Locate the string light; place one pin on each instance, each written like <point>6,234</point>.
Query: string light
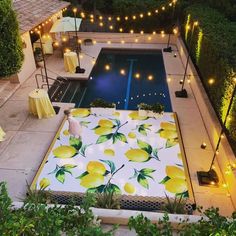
<point>137,75</point>
<point>111,27</point>
<point>141,32</point>
<point>141,15</point>
<point>120,29</point>
<point>118,18</point>
<point>108,42</point>
<point>168,79</point>
<point>94,41</point>
<point>126,18</point>
<point>156,11</point>
<point>149,13</point>
<point>211,81</point>
<point>100,18</point>
<point>107,67</point>
<point>149,38</point>
<point>163,8</point>
<point>150,77</point>
<point>136,40</point>
<point>109,18</point>
<point>154,32</point>
<point>122,41</point>
<point>122,72</point>
<point>134,17</point>
<point>101,24</point>
<point>131,31</point>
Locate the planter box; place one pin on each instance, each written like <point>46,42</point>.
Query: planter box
<point>102,111</point>
<point>149,113</point>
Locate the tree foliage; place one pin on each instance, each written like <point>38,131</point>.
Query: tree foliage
<point>11,56</point>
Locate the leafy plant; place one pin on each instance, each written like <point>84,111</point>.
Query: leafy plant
<point>102,103</point>
<point>108,199</point>
<point>37,197</point>
<point>143,226</point>
<point>176,205</point>
<point>39,219</point>
<point>11,57</point>
<point>156,107</point>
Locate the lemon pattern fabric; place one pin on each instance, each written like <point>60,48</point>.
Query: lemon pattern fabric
<point>124,152</point>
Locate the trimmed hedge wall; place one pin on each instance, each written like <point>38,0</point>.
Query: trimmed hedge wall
<point>11,54</point>
<point>214,53</point>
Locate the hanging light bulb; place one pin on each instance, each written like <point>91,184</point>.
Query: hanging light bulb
<point>126,18</point>
<point>154,32</point>
<point>107,67</point>
<point>118,18</point>
<point>100,18</point>
<point>111,27</point>
<point>134,17</point>
<point>163,8</point>
<point>109,18</point>
<point>141,32</point>
<point>156,11</point>
<point>136,40</point>
<point>122,41</point>
<point>101,24</point>
<point>141,15</point>
<point>149,13</point>
<point>120,29</point>
<point>131,31</point>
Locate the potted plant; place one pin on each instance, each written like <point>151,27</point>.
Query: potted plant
<point>38,55</point>
<point>101,107</point>
<point>155,110</point>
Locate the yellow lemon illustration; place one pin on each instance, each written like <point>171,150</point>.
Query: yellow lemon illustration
<point>117,114</point>
<point>168,134</point>
<point>109,152</point>
<point>64,151</point>
<point>129,188</point>
<point>103,130</point>
<point>105,123</point>
<point>80,112</point>
<point>134,116</point>
<point>66,132</point>
<point>179,156</point>
<point>137,155</point>
<point>132,135</point>
<point>92,180</point>
<point>44,183</point>
<point>96,167</point>
<point>168,126</point>
<point>175,172</point>
<point>176,185</point>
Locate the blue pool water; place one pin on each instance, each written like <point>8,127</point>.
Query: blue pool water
<point>126,90</point>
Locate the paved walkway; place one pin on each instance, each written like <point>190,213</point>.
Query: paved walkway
<point>29,138</point>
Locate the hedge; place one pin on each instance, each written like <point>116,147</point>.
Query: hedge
<point>215,57</point>
<point>11,56</point>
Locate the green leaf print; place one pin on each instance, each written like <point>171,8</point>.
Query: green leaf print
<point>143,181</point>
<point>145,146</point>
<point>104,138</point>
<point>60,176</point>
<point>75,142</point>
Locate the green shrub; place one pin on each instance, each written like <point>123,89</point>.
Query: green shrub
<point>35,218</point>
<point>98,102</point>
<point>11,56</point>
<point>215,57</point>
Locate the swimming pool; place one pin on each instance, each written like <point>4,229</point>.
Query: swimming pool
<point>127,78</point>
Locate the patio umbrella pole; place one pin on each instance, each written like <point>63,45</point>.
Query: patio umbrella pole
<point>168,47</point>
<point>210,177</point>
<point>76,35</point>
<point>183,92</point>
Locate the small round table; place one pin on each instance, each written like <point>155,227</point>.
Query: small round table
<point>70,61</point>
<point>40,104</point>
